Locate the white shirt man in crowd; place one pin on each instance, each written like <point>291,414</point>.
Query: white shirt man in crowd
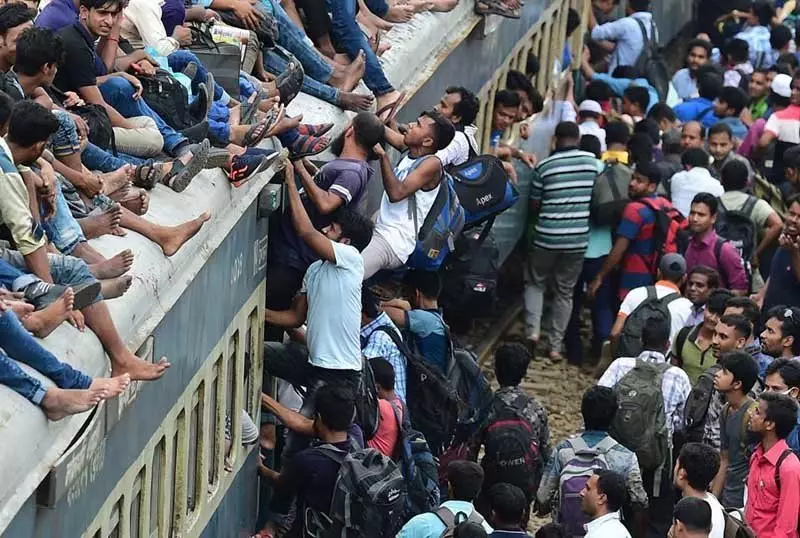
<point>601,499</point>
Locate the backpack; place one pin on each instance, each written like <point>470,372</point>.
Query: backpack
<point>668,224</point>
<point>469,280</point>
<point>452,521</point>
<point>735,526</point>
<point>770,193</point>
<point>738,228</point>
<point>419,468</point>
<point>630,340</point>
<point>467,378</point>
<point>578,469</point>
<point>169,98</point>
<point>483,188</point>
<point>610,194</point>
<point>101,132</point>
<point>443,223</point>
<point>511,451</point>
<point>367,414</point>
<point>432,404</point>
<point>640,424</point>
<point>369,497</point>
<point>695,411</point>
<point>652,62</point>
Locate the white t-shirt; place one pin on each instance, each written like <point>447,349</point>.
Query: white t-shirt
<point>679,309</point>
<point>685,185</point>
<point>717,517</point>
<point>590,127</point>
<point>334,309</point>
<point>457,152</point>
<point>394,223</point>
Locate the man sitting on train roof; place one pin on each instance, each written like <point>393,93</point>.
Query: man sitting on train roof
<point>73,391</point>
<point>29,127</point>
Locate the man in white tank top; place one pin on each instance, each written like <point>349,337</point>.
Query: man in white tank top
<point>417,174</point>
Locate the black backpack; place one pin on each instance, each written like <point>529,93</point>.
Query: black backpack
<point>433,406</point>
<point>101,132</point>
<point>169,98</point>
<point>652,62</point>
<point>696,409</point>
<point>610,194</point>
<point>630,340</point>
<point>367,413</point>
<point>738,228</point>
<point>511,451</point>
<point>470,278</point>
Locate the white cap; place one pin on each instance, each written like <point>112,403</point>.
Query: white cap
<point>590,106</point>
<point>782,85</point>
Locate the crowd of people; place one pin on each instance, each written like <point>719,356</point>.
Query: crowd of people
<point>670,207</point>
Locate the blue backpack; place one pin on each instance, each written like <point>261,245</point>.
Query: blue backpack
<point>445,220</point>
<point>420,469</point>
<point>483,188</point>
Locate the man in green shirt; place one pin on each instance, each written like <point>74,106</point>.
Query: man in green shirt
<point>691,349</point>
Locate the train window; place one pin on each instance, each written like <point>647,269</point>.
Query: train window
<point>136,506</point>
<point>232,389</point>
<point>178,453</point>
<point>217,417</point>
<point>114,521</point>
<point>157,487</point>
<point>193,485</point>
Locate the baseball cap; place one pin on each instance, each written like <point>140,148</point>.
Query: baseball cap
<point>782,85</point>
<point>672,265</point>
<point>590,106</point>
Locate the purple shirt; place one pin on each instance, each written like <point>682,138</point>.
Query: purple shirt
<point>701,251</point>
<point>57,14</point>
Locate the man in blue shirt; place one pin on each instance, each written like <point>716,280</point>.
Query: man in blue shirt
<point>709,86</point>
<point>620,80</point>
<point>783,376</point>
<point>728,106</point>
<point>626,33</point>
<point>685,80</point>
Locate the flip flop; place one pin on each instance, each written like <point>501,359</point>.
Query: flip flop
<point>391,109</point>
<point>146,175</point>
<point>314,130</point>
<point>497,7</point>
<point>249,109</point>
<point>290,81</point>
<point>182,174</point>
<point>306,146</point>
<point>256,134</point>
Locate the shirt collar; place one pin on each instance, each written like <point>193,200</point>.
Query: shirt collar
<point>87,36</point>
<point>708,239</point>
<point>652,356</point>
<point>668,284</point>
<point>600,520</point>
<point>381,321</point>
<point>564,149</point>
<point>773,453</point>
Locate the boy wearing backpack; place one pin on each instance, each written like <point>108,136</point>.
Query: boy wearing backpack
<point>515,434</point>
<point>707,248</point>
<point>651,395</point>
<point>737,376</point>
<point>465,479</point>
<point>695,468</point>
<point>773,484</point>
<point>575,460</point>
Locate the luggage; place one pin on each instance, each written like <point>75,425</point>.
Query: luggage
<point>483,188</point>
<point>669,223</point>
<point>467,379</point>
<point>697,405</point>
<point>224,60</point>
<point>367,414</point>
<point>442,225</point>
<point>738,228</point>
<point>652,63</point>
<point>469,280</point>
<point>630,340</point>
<point>452,521</point>
<point>610,194</point>
<point>169,98</point>
<point>101,131</point>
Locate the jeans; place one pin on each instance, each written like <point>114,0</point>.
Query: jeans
<point>283,283</point>
<point>20,345</point>
<point>65,141</point>
<point>96,158</point>
<point>294,40</point>
<point>65,270</point>
<point>118,93</point>
<point>556,269</point>
<point>275,64</point>
<point>62,229</point>
<point>347,34</point>
<point>218,125</point>
<point>13,279</point>
<point>178,61</point>
<point>603,309</point>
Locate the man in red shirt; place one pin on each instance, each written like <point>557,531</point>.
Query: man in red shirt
<point>773,484</point>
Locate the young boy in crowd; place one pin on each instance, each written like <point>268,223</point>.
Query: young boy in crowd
<point>721,146</point>
<point>728,106</point>
<point>695,468</point>
<point>634,103</point>
<point>391,410</point>
<point>508,506</point>
<point>758,91</point>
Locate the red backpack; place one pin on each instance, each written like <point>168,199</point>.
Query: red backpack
<point>668,226</point>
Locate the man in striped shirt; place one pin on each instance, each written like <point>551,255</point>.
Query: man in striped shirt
<point>561,192</point>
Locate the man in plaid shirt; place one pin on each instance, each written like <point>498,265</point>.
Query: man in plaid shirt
<point>378,343</point>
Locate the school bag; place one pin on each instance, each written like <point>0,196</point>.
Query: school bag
<point>610,194</point>
<point>511,450</point>
<point>468,380</point>
<point>738,228</point>
<point>483,188</point>
<point>582,463</point>
<point>735,526</point>
<point>668,225</point>
<point>469,280</point>
<point>695,411</point>
<point>367,414</point>
<point>369,497</point>
<point>169,98</point>
<point>652,63</point>
<point>630,340</point>
<point>452,521</point>
<point>640,424</point>
<point>419,467</point>
<point>432,404</point>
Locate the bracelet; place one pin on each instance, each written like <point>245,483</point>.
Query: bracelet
<point>116,39</point>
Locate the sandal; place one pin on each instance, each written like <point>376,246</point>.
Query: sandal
<point>375,41</point>
<point>390,110</point>
<point>146,175</point>
<point>290,81</point>
<point>256,133</point>
<point>249,108</point>
<point>182,174</point>
<point>497,7</point>
<point>314,130</point>
<point>306,146</point>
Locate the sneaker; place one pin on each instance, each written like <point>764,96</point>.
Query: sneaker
<point>201,106</point>
<point>196,133</point>
<point>244,166</point>
<point>182,174</point>
<point>42,294</point>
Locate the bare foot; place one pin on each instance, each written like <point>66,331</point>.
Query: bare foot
<point>137,201</point>
<point>115,287</point>
<point>112,385</point>
<point>383,47</point>
<point>20,308</point>
<point>138,369</point>
<point>387,99</point>
<point>113,267</point>
<point>355,101</point>
<point>175,236</point>
<point>59,403</point>
<point>400,13</point>
<point>346,78</point>
<point>106,222</point>
<point>113,181</point>
<point>45,321</point>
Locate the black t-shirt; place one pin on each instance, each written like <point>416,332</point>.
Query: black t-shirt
<point>312,475</point>
<point>784,288</point>
<point>11,86</point>
<point>81,65</point>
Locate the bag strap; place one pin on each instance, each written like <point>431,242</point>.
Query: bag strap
<point>785,454</point>
<point>396,339</point>
<point>749,205</point>
<point>680,341</point>
<point>652,295</point>
<point>703,112</point>
<point>717,253</point>
<point>447,517</point>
